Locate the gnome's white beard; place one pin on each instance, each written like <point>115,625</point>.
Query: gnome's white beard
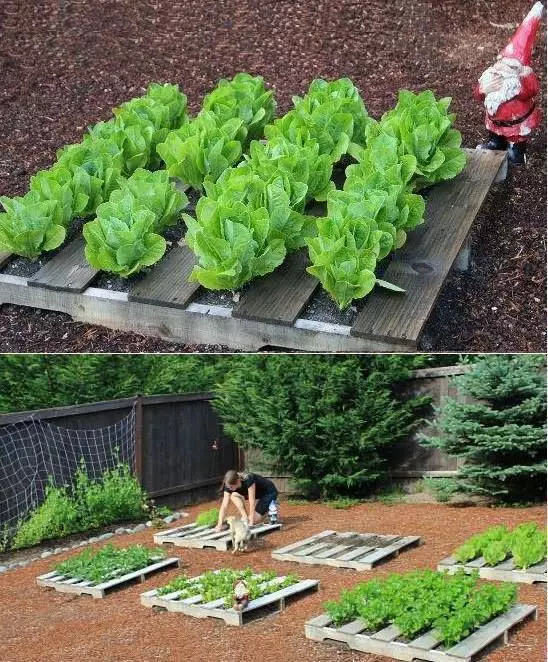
<point>501,82</point>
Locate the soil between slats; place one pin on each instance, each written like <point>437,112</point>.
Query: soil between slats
<point>38,624</point>
<point>65,65</point>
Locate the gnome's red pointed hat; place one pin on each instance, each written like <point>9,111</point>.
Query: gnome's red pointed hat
<point>520,46</point>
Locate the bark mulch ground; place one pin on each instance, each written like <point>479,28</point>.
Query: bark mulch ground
<point>38,624</point>
<point>65,64</point>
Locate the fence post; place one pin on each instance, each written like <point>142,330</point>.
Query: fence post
<point>139,439</point>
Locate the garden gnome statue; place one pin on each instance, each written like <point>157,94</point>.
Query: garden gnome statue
<point>241,595</point>
<point>508,90</point>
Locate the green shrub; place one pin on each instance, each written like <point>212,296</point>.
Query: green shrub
<point>90,504</point>
<point>441,488</point>
<point>208,517</point>
<point>342,503</point>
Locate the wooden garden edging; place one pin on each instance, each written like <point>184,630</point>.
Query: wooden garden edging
<point>195,606</point>
<point>504,572</point>
<point>74,585</point>
<point>359,551</point>
<point>424,647</point>
<point>200,537</point>
<point>268,312</point>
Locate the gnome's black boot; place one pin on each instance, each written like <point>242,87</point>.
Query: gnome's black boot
<point>495,142</point>
<point>516,153</point>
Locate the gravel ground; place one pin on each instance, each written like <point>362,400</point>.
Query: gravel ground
<point>119,629</point>
<point>65,64</point>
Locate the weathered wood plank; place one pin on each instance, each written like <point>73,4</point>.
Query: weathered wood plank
<point>302,543</point>
<point>422,265</point>
<point>198,323</point>
<point>167,283</point>
<point>504,572</point>
<point>67,271</point>
<point>280,296</point>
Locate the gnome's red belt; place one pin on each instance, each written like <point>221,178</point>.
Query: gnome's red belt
<point>518,120</point>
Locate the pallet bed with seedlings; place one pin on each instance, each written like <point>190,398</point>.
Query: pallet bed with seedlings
<point>201,537</point>
<point>358,551</point>
<point>211,595</point>
<point>97,573</point>
<point>502,555</point>
<point>282,309</point>
<point>422,615</point>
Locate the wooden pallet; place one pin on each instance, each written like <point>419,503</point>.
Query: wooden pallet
<point>427,646</point>
<point>268,312</point>
<point>196,607</point>
<point>200,537</point>
<point>74,585</point>
<point>504,572</point>
<point>359,551</point>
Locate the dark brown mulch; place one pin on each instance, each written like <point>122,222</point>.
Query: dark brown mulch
<point>40,624</point>
<point>65,64</point>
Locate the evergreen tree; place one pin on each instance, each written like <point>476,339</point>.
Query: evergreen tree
<point>324,419</point>
<point>501,434</point>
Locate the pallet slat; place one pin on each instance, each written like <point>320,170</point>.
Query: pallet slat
<point>67,271</point>
<point>78,586</point>
<point>196,537</point>
<point>167,284</point>
<point>360,554</point>
<point>424,647</point>
<point>281,296</point>
<point>422,265</point>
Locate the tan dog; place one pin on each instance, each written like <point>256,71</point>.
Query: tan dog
<point>239,533</point>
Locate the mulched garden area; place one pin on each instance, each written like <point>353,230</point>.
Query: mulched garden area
<point>65,64</point>
<point>118,629</point>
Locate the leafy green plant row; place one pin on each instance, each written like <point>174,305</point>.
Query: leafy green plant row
<point>85,174</point>
<point>126,236</point>
<point>253,215</point>
<point>412,146</point>
<point>525,544</point>
<point>108,563</point>
<point>454,606</point>
<point>90,504</point>
<point>220,584</point>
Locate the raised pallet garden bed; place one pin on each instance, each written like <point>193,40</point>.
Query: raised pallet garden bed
<point>504,572</point>
<point>427,646</point>
<point>272,310</point>
<point>359,551</point>
<point>195,606</point>
<point>65,584</point>
<point>200,537</point>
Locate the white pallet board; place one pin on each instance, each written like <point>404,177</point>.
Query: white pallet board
<point>425,647</point>
<point>357,551</point>
<point>199,537</point>
<point>504,572</point>
<point>195,606</point>
<point>65,584</point>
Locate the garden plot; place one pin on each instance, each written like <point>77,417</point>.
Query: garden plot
<point>200,537</point>
<point>197,607</point>
<point>425,647</point>
<point>504,572</point>
<point>359,551</point>
<point>270,310</point>
<point>65,584</point>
